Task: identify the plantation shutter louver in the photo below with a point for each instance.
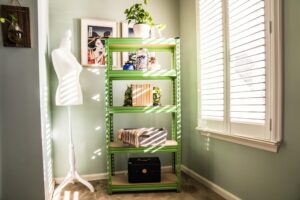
(211, 64)
(247, 66)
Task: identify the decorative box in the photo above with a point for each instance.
(144, 169)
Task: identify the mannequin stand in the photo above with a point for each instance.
(72, 174)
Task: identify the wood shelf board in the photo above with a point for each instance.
(122, 145)
(141, 45)
(142, 109)
(156, 42)
(119, 147)
(152, 44)
(152, 74)
(122, 180)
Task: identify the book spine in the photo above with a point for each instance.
(133, 94)
(148, 95)
(151, 95)
(138, 95)
(141, 94)
(144, 95)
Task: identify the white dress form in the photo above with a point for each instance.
(68, 70)
(68, 93)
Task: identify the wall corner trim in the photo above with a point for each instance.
(217, 189)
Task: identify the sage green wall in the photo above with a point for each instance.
(21, 143)
(88, 119)
(249, 173)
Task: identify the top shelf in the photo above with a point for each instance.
(142, 75)
(131, 44)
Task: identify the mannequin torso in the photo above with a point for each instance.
(68, 70)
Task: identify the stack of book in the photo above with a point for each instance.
(142, 95)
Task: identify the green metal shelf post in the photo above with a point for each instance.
(178, 113)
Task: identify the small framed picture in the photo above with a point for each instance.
(127, 32)
(16, 29)
(93, 35)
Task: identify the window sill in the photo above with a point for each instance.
(259, 144)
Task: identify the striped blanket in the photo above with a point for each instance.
(143, 137)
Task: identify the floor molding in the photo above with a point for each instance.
(217, 189)
(101, 176)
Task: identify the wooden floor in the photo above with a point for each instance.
(191, 190)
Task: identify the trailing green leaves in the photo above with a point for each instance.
(13, 18)
(138, 14)
(2, 20)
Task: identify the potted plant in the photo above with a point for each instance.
(141, 18)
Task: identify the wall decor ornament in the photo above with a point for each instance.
(15, 26)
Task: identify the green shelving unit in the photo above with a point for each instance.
(171, 180)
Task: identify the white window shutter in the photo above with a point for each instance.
(247, 66)
(211, 65)
(240, 71)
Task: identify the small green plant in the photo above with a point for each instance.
(128, 96)
(138, 14)
(156, 96)
(13, 19)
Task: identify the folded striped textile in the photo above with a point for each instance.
(143, 137)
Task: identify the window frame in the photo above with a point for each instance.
(274, 60)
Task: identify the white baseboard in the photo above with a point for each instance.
(89, 177)
(217, 189)
(101, 176)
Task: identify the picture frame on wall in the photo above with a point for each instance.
(93, 35)
(16, 34)
(127, 32)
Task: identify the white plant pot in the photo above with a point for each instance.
(141, 30)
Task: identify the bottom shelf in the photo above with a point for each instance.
(120, 184)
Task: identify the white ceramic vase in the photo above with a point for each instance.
(141, 30)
